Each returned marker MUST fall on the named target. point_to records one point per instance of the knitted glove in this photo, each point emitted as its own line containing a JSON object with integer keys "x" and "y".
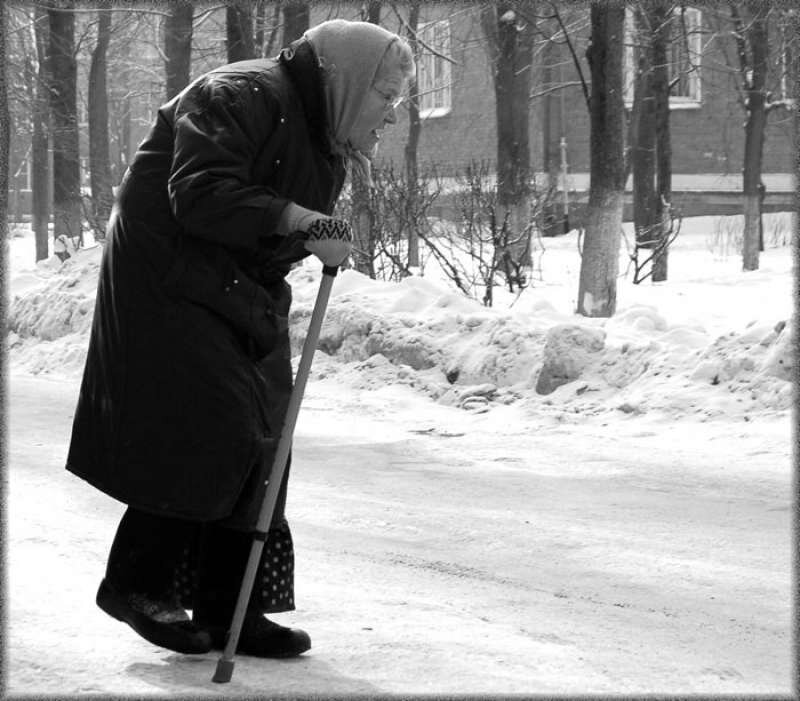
{"x": 330, "y": 240}
{"x": 297, "y": 218}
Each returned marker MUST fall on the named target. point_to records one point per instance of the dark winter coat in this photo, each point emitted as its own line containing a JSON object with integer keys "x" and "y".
{"x": 188, "y": 370}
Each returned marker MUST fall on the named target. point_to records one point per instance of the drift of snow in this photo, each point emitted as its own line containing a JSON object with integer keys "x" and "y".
{"x": 712, "y": 341}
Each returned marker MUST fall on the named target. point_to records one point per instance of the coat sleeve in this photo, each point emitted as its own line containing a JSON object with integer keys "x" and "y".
{"x": 220, "y": 127}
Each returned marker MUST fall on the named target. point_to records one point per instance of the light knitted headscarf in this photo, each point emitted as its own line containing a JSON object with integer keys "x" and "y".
{"x": 350, "y": 54}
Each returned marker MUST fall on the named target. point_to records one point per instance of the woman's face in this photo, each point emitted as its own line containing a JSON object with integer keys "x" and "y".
{"x": 378, "y": 111}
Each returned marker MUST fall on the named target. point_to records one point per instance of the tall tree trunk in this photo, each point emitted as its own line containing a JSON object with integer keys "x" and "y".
{"x": 510, "y": 39}
{"x": 754, "y": 131}
{"x": 363, "y": 214}
{"x": 178, "y": 29}
{"x": 63, "y": 72}
{"x": 597, "y": 290}
{"x": 552, "y": 219}
{"x": 371, "y": 11}
{"x": 121, "y": 113}
{"x": 5, "y": 143}
{"x": 40, "y": 157}
{"x": 99, "y": 162}
{"x": 5, "y": 136}
{"x": 239, "y": 31}
{"x": 659, "y": 18}
{"x": 414, "y": 130}
{"x": 268, "y": 45}
{"x": 259, "y": 20}
{"x": 643, "y": 155}
{"x": 296, "y": 18}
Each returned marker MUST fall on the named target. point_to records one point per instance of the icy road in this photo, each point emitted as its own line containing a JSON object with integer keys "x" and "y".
{"x": 442, "y": 551}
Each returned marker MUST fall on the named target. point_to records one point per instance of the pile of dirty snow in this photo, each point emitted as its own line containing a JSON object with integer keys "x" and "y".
{"x": 712, "y": 341}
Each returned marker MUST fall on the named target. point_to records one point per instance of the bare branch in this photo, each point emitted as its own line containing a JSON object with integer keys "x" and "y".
{"x": 575, "y": 60}
{"x": 423, "y": 44}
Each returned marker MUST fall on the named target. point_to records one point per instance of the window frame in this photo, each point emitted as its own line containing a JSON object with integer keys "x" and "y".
{"x": 694, "y": 20}
{"x": 428, "y": 61}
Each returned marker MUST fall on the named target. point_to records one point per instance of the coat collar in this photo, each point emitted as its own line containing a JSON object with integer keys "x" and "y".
{"x": 303, "y": 67}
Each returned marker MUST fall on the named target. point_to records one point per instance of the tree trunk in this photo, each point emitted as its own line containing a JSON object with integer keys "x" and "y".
{"x": 99, "y": 163}
{"x": 659, "y": 18}
{"x": 597, "y": 290}
{"x": 239, "y": 31}
{"x": 754, "y": 132}
{"x": 268, "y": 45}
{"x": 371, "y": 11}
{"x": 643, "y": 155}
{"x": 363, "y": 215}
{"x": 178, "y": 29}
{"x": 5, "y": 143}
{"x": 259, "y": 19}
{"x": 552, "y": 213}
{"x": 414, "y": 129}
{"x": 40, "y": 157}
{"x": 511, "y": 45}
{"x": 296, "y": 18}
{"x": 63, "y": 72}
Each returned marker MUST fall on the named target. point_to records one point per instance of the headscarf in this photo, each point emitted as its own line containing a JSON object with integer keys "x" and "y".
{"x": 350, "y": 54}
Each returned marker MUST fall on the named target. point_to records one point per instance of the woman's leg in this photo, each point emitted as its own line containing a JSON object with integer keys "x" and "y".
{"x": 139, "y": 585}
{"x": 145, "y": 552}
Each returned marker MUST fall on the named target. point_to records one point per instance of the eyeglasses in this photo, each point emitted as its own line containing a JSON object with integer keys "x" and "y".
{"x": 391, "y": 102}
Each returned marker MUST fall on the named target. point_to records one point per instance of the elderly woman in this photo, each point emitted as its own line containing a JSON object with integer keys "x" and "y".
{"x": 188, "y": 371}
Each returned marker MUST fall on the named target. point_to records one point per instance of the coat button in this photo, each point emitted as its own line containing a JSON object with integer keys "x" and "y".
{"x": 227, "y": 289}
{"x": 235, "y": 282}
{"x": 277, "y": 161}
{"x": 282, "y": 120}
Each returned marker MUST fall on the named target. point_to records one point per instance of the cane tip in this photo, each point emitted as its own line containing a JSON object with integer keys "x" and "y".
{"x": 224, "y": 671}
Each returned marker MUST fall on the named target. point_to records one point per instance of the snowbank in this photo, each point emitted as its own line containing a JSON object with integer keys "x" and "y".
{"x": 712, "y": 341}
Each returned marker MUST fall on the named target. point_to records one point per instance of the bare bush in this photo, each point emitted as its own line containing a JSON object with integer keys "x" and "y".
{"x": 482, "y": 249}
{"x": 726, "y": 238}
{"x": 397, "y": 210}
{"x": 652, "y": 242}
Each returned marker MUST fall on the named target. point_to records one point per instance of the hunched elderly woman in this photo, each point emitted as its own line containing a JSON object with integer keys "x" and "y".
{"x": 188, "y": 372}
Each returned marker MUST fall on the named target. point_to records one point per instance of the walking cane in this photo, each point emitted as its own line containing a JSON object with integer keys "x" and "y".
{"x": 225, "y": 664}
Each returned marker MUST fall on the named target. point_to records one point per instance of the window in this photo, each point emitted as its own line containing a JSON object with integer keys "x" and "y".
{"x": 786, "y": 65}
{"x": 684, "y": 55}
{"x": 433, "y": 72}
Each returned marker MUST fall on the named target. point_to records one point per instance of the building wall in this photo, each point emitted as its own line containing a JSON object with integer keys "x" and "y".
{"x": 708, "y": 139}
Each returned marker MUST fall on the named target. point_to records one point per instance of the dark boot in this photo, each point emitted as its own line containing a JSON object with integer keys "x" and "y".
{"x": 160, "y": 622}
{"x": 259, "y": 637}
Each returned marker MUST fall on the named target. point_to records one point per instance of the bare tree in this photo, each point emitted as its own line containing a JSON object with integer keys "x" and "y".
{"x": 597, "y": 290}
{"x": 265, "y": 45}
{"x": 659, "y": 21}
{"x": 643, "y": 146}
{"x": 510, "y": 42}
{"x": 63, "y": 73}
{"x": 414, "y": 130}
{"x": 99, "y": 161}
{"x": 650, "y": 147}
{"x": 40, "y": 138}
{"x": 753, "y": 53}
{"x": 296, "y": 18}
{"x": 178, "y": 29}
{"x": 239, "y": 31}
{"x": 363, "y": 200}
{"x": 5, "y": 136}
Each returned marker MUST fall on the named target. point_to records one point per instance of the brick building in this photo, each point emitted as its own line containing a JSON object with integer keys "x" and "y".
{"x": 706, "y": 118}
{"x": 458, "y": 106}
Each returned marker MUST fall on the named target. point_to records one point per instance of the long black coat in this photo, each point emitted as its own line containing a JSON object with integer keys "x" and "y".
{"x": 188, "y": 370}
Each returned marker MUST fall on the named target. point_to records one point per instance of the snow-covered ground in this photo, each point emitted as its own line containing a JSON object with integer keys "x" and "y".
{"x": 456, "y": 530}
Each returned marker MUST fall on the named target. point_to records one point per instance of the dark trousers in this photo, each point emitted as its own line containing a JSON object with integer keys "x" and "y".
{"x": 200, "y": 565}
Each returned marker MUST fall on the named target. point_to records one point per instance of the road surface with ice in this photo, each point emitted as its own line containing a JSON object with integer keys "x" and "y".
{"x": 447, "y": 552}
